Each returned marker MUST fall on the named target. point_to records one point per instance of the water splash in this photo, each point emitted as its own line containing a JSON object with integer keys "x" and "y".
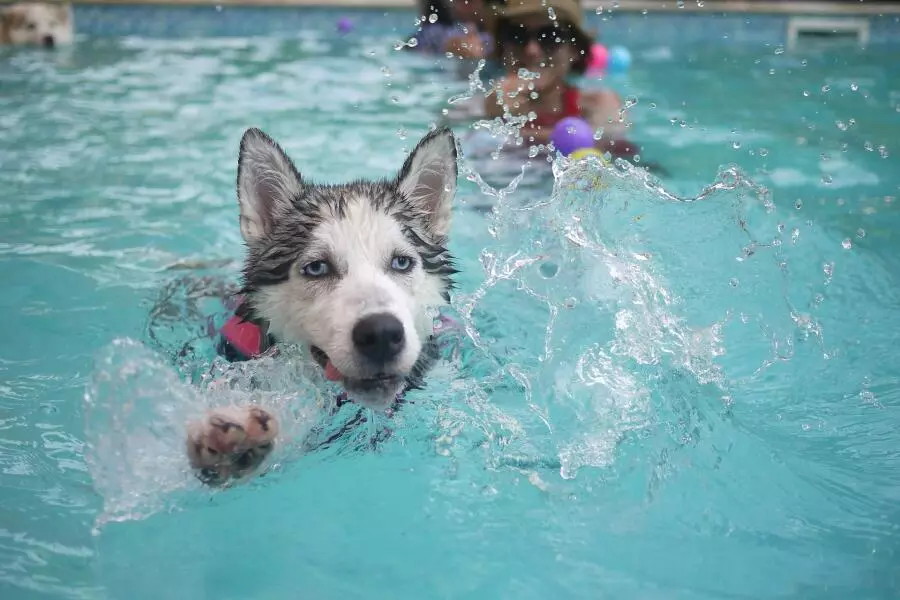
{"x": 137, "y": 408}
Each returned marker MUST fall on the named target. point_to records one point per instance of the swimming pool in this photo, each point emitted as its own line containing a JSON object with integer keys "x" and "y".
{"x": 677, "y": 400}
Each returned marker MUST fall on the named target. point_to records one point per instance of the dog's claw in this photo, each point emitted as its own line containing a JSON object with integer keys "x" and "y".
{"x": 231, "y": 443}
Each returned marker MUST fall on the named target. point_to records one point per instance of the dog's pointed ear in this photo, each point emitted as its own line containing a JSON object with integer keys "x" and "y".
{"x": 428, "y": 179}
{"x": 267, "y": 184}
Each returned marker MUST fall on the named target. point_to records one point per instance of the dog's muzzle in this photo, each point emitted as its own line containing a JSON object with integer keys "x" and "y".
{"x": 48, "y": 41}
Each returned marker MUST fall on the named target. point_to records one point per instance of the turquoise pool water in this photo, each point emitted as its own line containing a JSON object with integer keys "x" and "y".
{"x": 661, "y": 398}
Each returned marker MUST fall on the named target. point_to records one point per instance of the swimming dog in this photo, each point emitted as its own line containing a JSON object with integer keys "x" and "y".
{"x": 355, "y": 272}
{"x": 45, "y": 24}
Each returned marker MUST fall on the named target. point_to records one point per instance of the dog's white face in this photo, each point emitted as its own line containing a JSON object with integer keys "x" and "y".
{"x": 353, "y": 271}
{"x": 37, "y": 24}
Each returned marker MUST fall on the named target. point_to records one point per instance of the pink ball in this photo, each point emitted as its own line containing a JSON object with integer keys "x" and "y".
{"x": 599, "y": 58}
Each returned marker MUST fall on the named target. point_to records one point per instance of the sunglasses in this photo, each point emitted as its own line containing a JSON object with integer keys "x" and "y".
{"x": 548, "y": 37}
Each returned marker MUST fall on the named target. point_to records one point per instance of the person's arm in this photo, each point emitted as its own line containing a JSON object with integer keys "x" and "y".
{"x": 603, "y": 109}
{"x": 465, "y": 46}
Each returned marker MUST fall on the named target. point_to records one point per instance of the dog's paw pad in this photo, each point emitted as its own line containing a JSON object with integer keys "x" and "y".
{"x": 231, "y": 443}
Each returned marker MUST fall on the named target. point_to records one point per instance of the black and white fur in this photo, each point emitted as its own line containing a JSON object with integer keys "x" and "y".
{"x": 354, "y": 271}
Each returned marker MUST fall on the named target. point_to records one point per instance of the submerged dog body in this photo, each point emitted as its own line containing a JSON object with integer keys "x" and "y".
{"x": 36, "y": 24}
{"x": 355, "y": 272}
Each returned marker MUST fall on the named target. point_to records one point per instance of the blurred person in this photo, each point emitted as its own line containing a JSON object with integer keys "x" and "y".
{"x": 548, "y": 40}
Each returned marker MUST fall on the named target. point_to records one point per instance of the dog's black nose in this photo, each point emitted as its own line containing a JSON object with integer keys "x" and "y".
{"x": 379, "y": 337}
{"x": 49, "y": 41}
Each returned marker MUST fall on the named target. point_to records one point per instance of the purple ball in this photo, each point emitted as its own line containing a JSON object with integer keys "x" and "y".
{"x": 572, "y": 134}
{"x": 344, "y": 25}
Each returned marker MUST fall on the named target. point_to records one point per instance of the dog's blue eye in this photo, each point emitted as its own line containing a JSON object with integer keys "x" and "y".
{"x": 401, "y": 263}
{"x": 317, "y": 268}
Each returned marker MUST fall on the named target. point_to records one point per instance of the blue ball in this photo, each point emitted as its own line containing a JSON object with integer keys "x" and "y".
{"x": 619, "y": 59}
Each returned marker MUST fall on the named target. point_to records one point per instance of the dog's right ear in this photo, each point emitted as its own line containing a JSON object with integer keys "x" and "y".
{"x": 267, "y": 184}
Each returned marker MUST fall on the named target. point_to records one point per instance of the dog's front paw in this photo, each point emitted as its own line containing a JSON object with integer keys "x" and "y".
{"x": 230, "y": 443}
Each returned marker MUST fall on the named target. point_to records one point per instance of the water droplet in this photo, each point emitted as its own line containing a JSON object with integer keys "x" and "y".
{"x": 413, "y": 42}
{"x": 779, "y": 50}
{"x": 869, "y": 147}
{"x": 598, "y": 135}
{"x": 385, "y": 71}
{"x": 841, "y": 125}
{"x": 736, "y": 144}
{"x": 401, "y": 133}
{"x": 883, "y": 152}
{"x": 771, "y": 71}
{"x": 819, "y": 299}
{"x": 798, "y": 204}
{"x": 806, "y": 93}
{"x": 795, "y": 236}
{"x": 680, "y": 4}
{"x": 570, "y": 302}
{"x": 653, "y": 105}
{"x": 396, "y": 99}
{"x": 599, "y": 10}
{"x": 827, "y": 179}
{"x": 645, "y": 11}
{"x": 734, "y": 282}
{"x": 445, "y": 111}
{"x": 828, "y": 269}
{"x": 826, "y": 88}
{"x": 854, "y": 86}
{"x": 804, "y": 62}
{"x": 860, "y": 233}
{"x": 700, "y": 3}
{"x": 551, "y": 13}
{"x": 432, "y": 18}
{"x": 763, "y": 152}
{"x": 846, "y": 244}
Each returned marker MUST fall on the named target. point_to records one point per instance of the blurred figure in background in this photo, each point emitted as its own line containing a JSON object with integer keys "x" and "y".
{"x": 548, "y": 39}
{"x": 455, "y": 27}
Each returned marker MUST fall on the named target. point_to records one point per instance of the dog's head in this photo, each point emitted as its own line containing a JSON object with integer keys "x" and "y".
{"x": 353, "y": 271}
{"x": 36, "y": 23}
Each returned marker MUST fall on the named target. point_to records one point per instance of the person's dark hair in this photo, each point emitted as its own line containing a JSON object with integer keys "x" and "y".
{"x": 438, "y": 8}
{"x": 568, "y": 33}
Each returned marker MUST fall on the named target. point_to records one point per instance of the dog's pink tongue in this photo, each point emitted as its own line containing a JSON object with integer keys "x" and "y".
{"x": 331, "y": 372}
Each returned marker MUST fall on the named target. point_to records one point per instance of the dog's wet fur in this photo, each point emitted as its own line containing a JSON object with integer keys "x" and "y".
{"x": 354, "y": 272}
{"x": 47, "y": 24}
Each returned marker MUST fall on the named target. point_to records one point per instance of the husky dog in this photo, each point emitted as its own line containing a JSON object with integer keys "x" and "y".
{"x": 354, "y": 272}
{"x": 36, "y": 23}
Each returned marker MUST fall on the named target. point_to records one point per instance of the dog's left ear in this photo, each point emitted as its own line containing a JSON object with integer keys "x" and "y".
{"x": 267, "y": 184}
{"x": 428, "y": 179}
